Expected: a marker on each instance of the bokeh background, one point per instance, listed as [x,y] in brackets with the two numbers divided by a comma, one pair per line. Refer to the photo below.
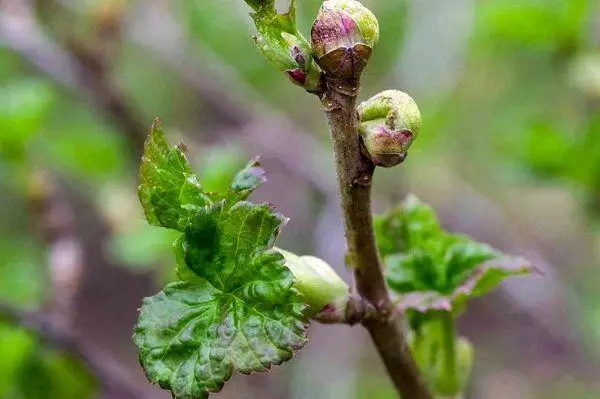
[509,153]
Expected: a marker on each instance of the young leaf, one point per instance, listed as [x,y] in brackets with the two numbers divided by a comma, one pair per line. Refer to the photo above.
[247,180]
[282,44]
[435,270]
[169,190]
[435,273]
[192,336]
[235,308]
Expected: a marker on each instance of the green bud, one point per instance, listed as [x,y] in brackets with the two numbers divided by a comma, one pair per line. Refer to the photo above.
[323,289]
[343,37]
[389,123]
[464,361]
[427,347]
[281,43]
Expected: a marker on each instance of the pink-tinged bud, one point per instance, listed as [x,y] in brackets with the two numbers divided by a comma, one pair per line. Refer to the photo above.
[343,37]
[389,123]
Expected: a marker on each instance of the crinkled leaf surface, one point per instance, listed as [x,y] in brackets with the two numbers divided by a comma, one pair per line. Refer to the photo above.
[435,270]
[235,308]
[169,190]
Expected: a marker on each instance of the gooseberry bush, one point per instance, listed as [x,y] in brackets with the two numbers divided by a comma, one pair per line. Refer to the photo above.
[242,304]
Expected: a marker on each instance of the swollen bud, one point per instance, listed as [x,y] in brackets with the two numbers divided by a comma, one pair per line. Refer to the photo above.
[281,43]
[343,37]
[429,351]
[464,362]
[323,289]
[389,123]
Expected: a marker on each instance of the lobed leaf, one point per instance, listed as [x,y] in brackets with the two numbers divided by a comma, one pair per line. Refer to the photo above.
[169,190]
[236,307]
[435,270]
[192,336]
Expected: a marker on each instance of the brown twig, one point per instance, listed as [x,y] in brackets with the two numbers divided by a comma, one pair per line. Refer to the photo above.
[355,175]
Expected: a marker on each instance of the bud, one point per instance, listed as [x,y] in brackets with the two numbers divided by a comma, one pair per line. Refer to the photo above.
[464,362]
[430,353]
[389,123]
[281,43]
[321,286]
[343,37]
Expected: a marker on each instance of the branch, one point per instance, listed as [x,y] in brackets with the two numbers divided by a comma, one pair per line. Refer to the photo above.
[274,133]
[355,175]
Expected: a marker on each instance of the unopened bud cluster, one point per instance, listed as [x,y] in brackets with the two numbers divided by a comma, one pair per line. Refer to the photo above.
[343,37]
[389,123]
[342,40]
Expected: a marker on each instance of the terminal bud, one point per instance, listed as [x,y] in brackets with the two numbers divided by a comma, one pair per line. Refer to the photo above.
[343,37]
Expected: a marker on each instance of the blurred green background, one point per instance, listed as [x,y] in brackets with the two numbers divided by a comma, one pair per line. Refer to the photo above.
[509,153]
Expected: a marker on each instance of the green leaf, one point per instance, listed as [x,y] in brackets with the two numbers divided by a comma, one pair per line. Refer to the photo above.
[192,335]
[236,307]
[282,44]
[406,226]
[435,270]
[169,190]
[246,181]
